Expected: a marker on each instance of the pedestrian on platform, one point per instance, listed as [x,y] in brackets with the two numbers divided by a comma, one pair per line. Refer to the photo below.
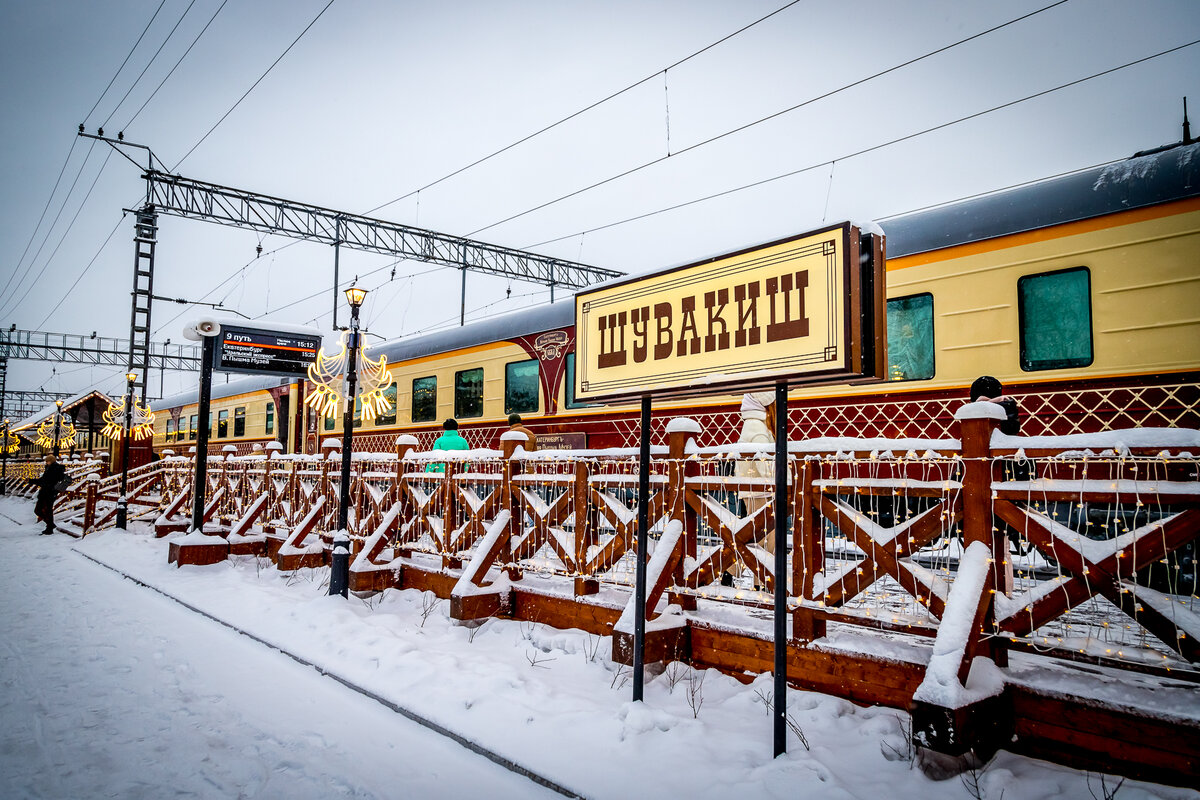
[450,439]
[514,424]
[52,481]
[758,428]
[987,388]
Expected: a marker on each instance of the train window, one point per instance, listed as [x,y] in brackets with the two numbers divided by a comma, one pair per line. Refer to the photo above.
[521,387]
[239,421]
[208,426]
[270,416]
[569,392]
[1055,311]
[222,423]
[424,399]
[910,338]
[468,393]
[388,417]
[329,423]
[170,430]
[193,428]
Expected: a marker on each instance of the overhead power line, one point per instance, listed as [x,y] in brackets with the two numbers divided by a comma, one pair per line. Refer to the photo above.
[869,149]
[177,63]
[154,57]
[45,208]
[253,85]
[62,238]
[769,117]
[126,61]
[587,108]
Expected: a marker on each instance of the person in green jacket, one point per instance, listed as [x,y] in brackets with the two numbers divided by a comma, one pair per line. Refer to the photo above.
[450,439]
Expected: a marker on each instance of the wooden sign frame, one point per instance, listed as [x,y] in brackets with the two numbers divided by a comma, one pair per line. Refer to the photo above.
[739,321]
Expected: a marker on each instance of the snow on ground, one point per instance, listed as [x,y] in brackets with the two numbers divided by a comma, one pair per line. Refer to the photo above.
[111,689]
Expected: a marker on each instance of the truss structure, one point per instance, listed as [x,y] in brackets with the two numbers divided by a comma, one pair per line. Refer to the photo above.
[187,197]
[100,350]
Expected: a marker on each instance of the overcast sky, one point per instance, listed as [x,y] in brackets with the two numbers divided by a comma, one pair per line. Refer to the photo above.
[380,98]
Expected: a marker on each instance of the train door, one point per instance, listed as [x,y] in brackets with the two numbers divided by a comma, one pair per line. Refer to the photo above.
[284,429]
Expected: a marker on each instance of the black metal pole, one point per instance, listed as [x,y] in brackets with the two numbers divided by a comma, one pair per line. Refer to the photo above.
[207,350]
[639,585]
[781,575]
[57,429]
[122,500]
[339,578]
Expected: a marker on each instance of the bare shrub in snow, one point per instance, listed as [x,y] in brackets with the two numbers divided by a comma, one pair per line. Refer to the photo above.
[674,674]
[792,725]
[620,677]
[591,646]
[1106,792]
[536,659]
[905,751]
[972,781]
[527,629]
[429,603]
[695,691]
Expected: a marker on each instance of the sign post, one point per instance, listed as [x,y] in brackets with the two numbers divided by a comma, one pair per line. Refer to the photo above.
[240,348]
[803,311]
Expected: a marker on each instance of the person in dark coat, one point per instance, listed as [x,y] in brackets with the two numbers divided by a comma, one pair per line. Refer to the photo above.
[44,507]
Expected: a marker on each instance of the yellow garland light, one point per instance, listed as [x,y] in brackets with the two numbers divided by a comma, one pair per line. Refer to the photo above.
[141,422]
[10,443]
[45,433]
[328,375]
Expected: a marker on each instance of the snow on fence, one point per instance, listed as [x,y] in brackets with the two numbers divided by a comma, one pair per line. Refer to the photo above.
[1092,536]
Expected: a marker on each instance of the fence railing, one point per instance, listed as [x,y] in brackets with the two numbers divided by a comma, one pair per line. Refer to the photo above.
[1089,539]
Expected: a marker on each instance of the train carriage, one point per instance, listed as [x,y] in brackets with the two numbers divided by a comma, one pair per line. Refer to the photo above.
[1080,293]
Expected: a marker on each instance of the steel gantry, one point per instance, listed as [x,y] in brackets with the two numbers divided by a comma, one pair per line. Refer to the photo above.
[99,350]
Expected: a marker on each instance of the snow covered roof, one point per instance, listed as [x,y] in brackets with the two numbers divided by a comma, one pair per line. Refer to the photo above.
[68,404]
[1158,177]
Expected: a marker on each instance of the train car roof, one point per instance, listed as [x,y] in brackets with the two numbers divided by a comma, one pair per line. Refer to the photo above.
[1159,176]
[221,390]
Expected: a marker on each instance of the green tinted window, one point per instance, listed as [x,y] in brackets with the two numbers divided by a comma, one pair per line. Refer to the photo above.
[569,391]
[330,422]
[388,417]
[468,393]
[521,387]
[1055,310]
[424,399]
[910,338]
[271,417]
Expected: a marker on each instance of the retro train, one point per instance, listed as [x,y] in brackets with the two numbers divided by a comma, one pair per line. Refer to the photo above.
[1080,293]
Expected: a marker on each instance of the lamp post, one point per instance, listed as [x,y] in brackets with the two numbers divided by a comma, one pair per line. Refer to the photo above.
[4,459]
[339,578]
[57,426]
[122,501]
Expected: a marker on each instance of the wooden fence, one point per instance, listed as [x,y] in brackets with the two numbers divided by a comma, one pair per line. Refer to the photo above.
[927,553]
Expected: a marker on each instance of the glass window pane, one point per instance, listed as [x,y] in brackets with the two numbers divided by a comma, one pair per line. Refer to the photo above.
[910,338]
[170,429]
[468,393]
[270,417]
[330,422]
[239,421]
[388,418]
[193,429]
[521,387]
[424,399]
[222,424]
[1056,319]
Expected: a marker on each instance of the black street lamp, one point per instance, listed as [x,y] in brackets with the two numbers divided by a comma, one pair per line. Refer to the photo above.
[57,426]
[122,501]
[339,577]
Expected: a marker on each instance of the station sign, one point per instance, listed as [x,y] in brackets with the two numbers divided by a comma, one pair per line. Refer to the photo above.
[259,351]
[804,310]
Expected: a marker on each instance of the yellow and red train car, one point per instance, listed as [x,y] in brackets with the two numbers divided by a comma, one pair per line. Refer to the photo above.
[1080,293]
